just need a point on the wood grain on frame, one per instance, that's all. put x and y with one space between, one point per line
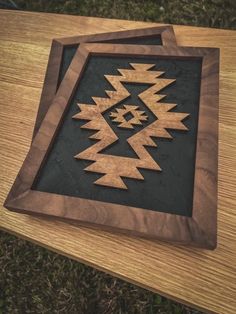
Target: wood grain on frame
198 230
54 63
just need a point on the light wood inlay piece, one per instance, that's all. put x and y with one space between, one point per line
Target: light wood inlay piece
137 116
165 119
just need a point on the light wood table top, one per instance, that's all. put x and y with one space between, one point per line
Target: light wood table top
203 279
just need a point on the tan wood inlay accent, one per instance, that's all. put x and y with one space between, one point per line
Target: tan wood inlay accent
118 116
113 168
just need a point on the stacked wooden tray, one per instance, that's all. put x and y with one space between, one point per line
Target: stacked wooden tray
126 137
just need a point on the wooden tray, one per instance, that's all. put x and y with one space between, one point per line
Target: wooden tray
93 164
63 50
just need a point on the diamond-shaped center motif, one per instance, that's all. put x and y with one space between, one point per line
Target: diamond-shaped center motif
128 116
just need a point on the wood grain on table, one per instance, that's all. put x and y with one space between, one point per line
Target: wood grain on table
203 279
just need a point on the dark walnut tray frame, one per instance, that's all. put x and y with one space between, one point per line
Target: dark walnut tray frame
51 82
197 230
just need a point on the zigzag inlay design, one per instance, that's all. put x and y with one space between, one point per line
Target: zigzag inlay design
118 116
112 167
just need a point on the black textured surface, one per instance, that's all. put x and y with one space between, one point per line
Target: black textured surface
168 191
147 40
69 51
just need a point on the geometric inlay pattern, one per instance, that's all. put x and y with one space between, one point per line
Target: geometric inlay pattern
114 168
120 116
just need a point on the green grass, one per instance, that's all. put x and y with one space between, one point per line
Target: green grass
212 13
34 280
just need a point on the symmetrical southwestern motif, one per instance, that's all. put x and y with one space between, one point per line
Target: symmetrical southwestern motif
113 168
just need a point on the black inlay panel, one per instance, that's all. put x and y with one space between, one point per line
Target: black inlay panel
168 191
